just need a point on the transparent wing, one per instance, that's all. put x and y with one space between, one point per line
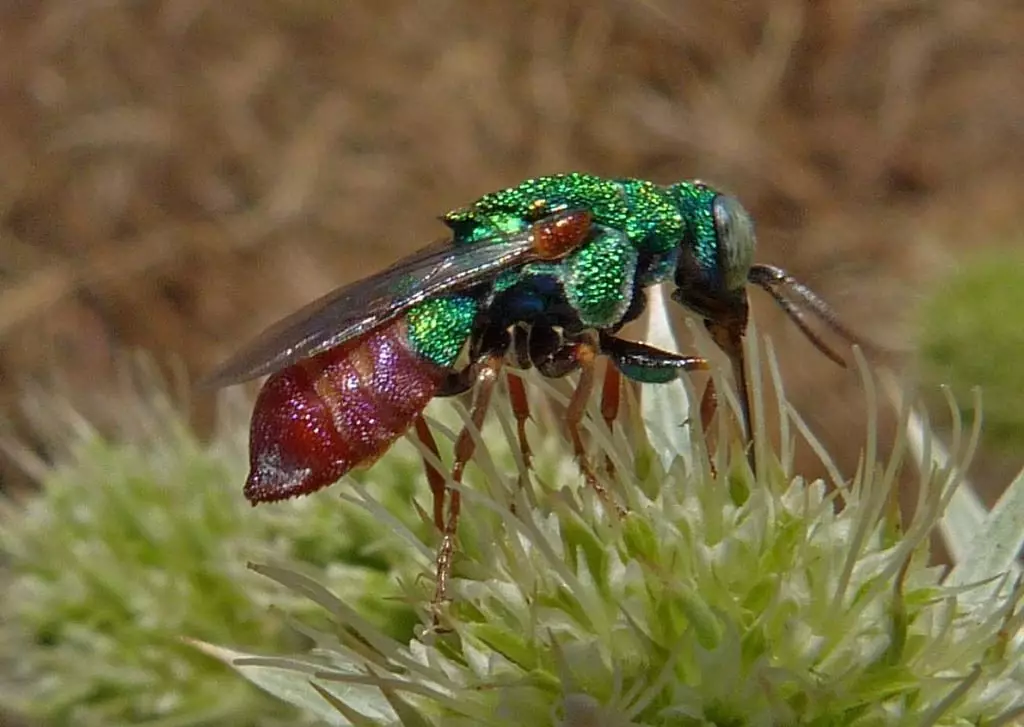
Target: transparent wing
353 309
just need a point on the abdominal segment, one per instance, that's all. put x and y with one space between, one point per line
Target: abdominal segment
318 419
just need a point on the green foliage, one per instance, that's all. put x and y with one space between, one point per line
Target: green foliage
134 544
973 335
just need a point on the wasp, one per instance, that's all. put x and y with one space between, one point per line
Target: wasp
541 275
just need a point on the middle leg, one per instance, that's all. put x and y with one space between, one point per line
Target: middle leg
611 398
556 362
521 412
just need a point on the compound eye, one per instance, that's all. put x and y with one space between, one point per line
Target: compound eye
735 232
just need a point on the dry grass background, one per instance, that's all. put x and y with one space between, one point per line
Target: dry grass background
174 175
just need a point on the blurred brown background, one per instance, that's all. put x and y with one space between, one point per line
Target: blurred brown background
174 175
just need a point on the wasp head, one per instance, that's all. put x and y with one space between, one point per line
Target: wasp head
713 266
715 254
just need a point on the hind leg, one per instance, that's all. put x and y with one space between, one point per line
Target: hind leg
434 477
485 376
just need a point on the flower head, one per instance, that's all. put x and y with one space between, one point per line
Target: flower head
723 596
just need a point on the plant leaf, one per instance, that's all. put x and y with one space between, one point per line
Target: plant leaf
984 545
966 513
994 547
292 682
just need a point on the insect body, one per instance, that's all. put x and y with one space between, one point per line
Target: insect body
319 418
543 275
353 371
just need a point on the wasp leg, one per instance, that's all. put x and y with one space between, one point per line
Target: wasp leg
434 476
521 411
456 382
585 355
611 398
558 362
648 364
708 407
486 372
520 348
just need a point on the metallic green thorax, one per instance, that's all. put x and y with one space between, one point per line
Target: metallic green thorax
640 209
599 279
438 328
638 229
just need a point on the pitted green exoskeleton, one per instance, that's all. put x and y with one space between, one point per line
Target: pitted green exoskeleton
540 275
687 235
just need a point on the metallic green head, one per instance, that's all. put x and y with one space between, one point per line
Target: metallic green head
713 267
715 255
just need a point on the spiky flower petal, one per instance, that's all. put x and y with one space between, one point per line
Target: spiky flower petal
736 598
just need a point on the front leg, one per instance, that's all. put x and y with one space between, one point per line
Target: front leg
643 363
649 365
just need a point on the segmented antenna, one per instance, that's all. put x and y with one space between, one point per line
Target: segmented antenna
775 281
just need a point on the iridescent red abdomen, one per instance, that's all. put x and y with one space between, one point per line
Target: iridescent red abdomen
316 420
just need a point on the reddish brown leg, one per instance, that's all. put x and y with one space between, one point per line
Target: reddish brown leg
708 407
486 377
521 411
434 477
611 397
586 355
